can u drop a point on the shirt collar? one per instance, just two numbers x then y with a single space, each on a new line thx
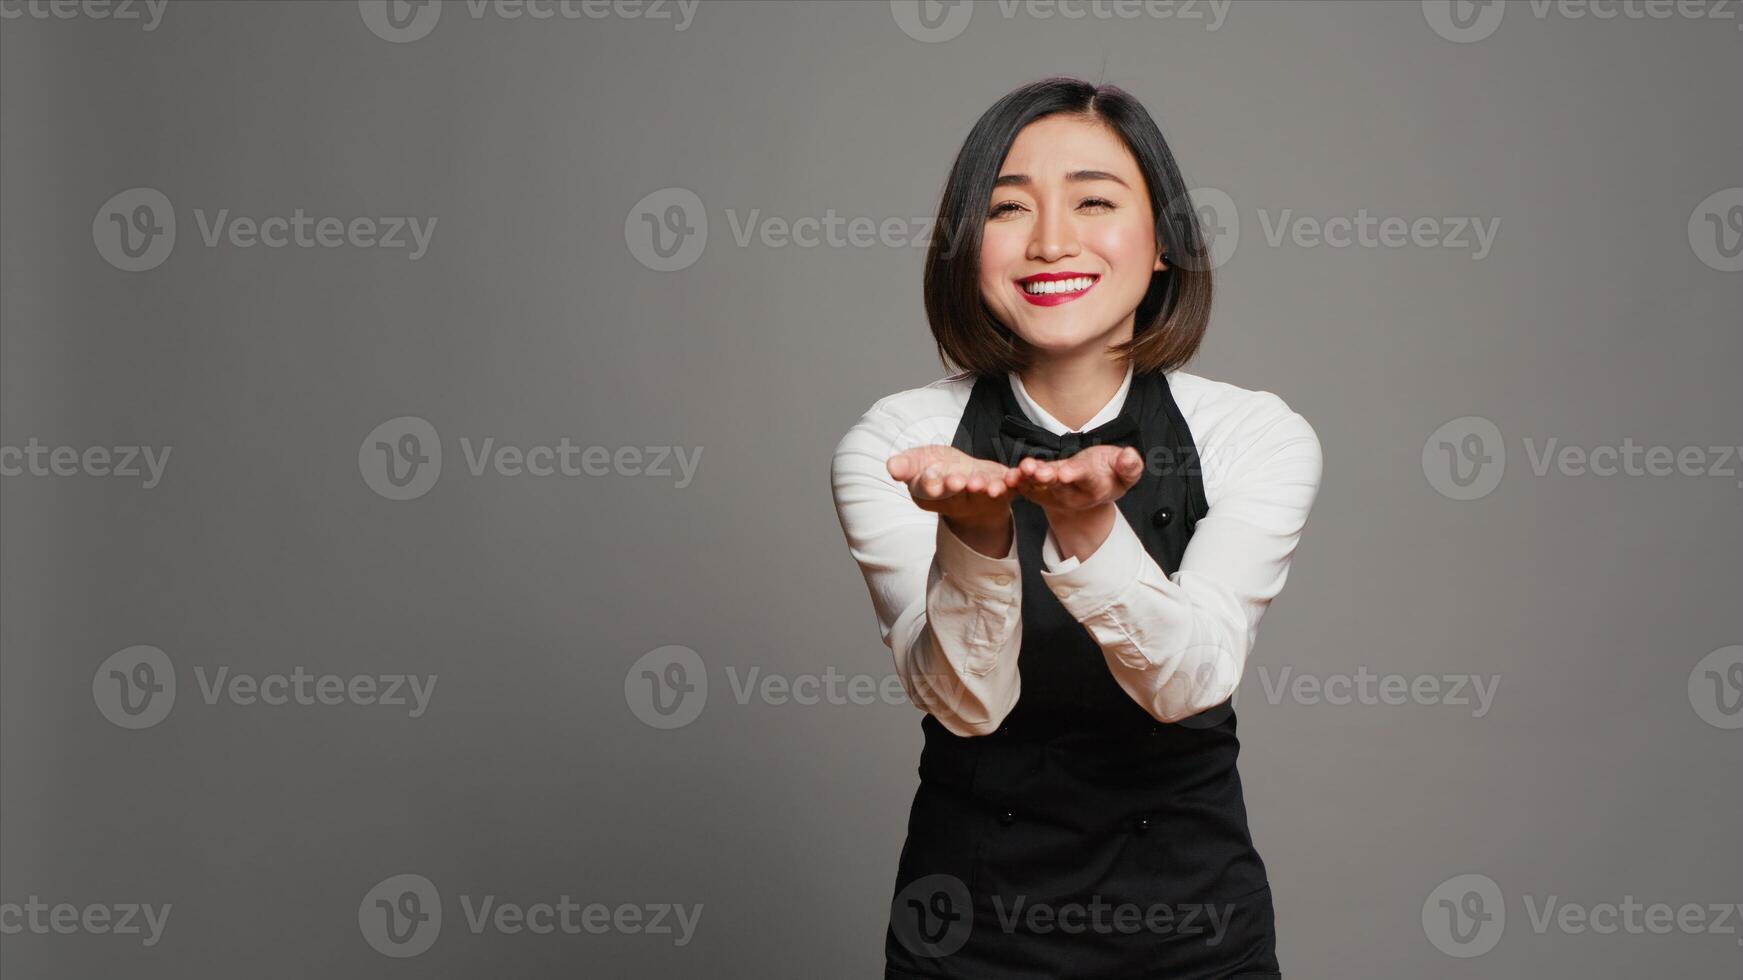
1039 416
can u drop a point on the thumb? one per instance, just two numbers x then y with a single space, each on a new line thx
905 465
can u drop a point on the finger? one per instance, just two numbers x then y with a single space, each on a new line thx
932 481
900 466
1131 464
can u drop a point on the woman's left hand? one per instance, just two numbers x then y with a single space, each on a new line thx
1095 476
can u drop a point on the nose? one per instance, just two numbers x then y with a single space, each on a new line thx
1053 236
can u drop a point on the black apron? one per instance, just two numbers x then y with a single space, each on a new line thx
1084 839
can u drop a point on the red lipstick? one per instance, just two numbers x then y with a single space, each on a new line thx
1056 295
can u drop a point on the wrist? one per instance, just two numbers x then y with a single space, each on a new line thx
1080 532
1081 516
992 520
990 535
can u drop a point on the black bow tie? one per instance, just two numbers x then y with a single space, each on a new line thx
1018 437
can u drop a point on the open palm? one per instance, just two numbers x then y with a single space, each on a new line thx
1095 476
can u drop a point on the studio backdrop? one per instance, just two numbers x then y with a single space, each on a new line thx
418 549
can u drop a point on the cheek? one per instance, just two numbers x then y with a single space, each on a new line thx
1001 252
1128 247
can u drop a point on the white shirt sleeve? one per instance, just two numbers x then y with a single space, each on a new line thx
951 616
1178 645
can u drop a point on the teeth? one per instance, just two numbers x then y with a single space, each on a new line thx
1044 288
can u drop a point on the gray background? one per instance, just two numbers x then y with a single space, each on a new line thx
1594 319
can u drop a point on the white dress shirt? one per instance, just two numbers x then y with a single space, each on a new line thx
952 617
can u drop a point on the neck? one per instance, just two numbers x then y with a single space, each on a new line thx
1072 388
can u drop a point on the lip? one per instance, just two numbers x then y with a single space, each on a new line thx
1054 299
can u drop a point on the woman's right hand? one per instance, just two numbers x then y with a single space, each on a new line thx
973 495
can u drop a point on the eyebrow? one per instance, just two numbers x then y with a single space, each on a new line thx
1076 176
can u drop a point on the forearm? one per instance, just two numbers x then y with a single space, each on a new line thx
1178 643
961 657
1174 649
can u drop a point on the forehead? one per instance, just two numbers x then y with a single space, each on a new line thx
1057 144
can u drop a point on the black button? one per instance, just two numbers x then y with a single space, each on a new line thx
1141 825
1006 817
1162 517
1004 729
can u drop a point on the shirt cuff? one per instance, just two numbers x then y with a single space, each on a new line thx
1087 586
973 571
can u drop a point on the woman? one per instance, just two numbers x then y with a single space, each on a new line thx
1069 546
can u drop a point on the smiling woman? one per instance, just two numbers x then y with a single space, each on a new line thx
1069 592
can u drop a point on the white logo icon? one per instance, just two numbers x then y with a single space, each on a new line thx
667 230
1465 458
402 916
1716 230
1215 674
1465 916
135 230
401 458
400 21
932 21
1464 21
933 915
1716 688
1219 222
667 687
135 687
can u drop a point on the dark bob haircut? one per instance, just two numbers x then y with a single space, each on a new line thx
1175 310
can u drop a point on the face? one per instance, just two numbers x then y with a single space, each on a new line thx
1069 243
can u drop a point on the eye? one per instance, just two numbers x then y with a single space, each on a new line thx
1007 207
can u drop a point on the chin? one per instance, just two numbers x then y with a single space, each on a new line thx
1060 337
